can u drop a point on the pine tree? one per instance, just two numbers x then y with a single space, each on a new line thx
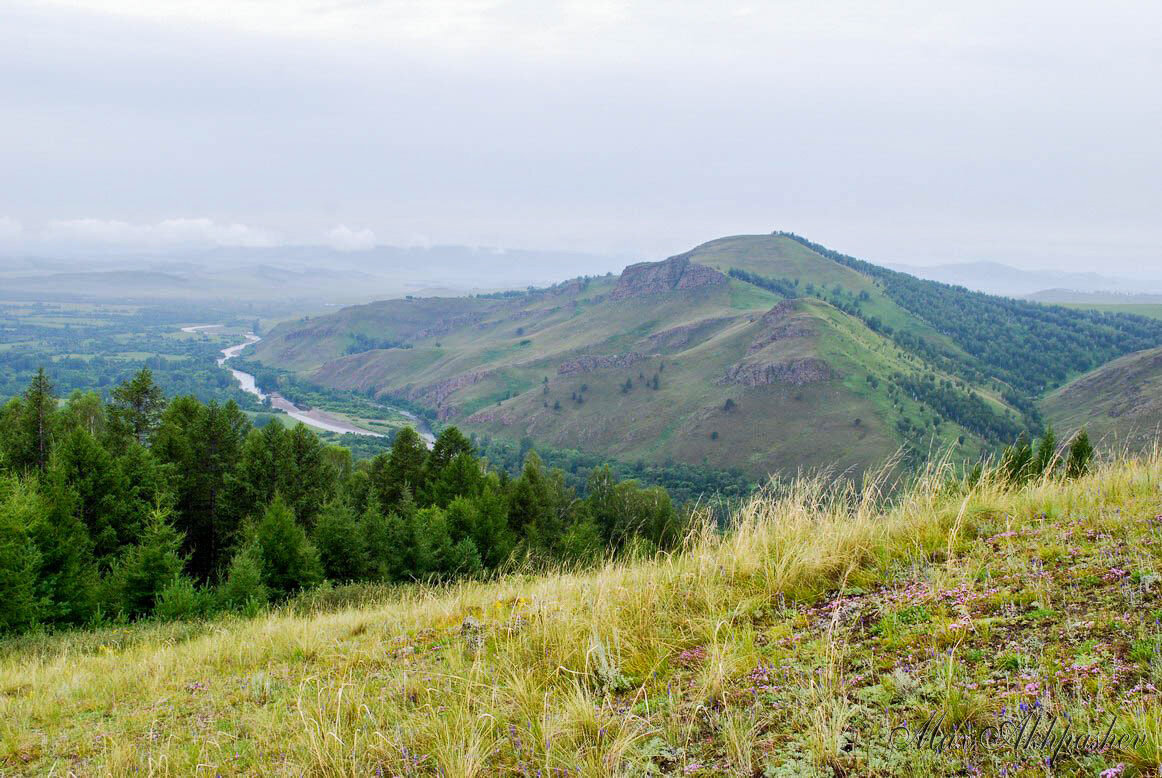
341 549
29 424
402 470
20 559
68 579
1080 456
1046 453
384 540
243 586
136 407
148 567
289 561
491 533
1017 460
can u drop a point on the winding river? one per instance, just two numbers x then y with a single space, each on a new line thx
312 418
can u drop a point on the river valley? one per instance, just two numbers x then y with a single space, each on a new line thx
312 417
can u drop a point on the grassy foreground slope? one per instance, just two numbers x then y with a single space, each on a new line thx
793 645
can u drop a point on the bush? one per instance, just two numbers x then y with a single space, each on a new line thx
183 600
243 587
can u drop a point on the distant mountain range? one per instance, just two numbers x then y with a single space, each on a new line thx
763 352
308 274
1055 286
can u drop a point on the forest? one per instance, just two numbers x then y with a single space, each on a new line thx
1029 346
144 506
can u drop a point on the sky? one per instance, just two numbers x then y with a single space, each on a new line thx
898 131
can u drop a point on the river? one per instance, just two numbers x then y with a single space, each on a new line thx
312 418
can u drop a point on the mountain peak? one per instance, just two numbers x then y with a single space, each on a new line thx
648 278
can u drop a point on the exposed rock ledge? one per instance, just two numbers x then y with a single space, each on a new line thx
490 416
646 278
779 323
677 337
796 372
588 362
436 395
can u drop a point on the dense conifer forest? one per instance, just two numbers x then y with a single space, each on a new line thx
145 506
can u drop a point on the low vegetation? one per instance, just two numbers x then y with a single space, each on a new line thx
798 642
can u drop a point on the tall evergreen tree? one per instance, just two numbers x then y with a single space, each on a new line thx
28 425
1046 452
68 575
1080 455
289 560
400 471
136 407
342 551
20 559
147 567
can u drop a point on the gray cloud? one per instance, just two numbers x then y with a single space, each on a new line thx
343 238
166 233
902 131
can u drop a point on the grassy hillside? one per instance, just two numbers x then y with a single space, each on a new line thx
796 644
763 352
1150 310
1120 403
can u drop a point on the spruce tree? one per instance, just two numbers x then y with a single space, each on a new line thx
136 406
384 540
243 586
342 551
147 567
1080 456
1046 453
289 561
20 560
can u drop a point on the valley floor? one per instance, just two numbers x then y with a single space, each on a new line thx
799 644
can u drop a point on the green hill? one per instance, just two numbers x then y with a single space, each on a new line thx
765 352
1120 403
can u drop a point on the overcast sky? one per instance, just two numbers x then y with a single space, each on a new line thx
899 131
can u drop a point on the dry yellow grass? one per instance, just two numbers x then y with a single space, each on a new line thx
580 673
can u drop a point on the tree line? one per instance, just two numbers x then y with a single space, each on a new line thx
144 506
1029 346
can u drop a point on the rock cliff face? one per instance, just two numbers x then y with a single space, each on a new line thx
779 324
647 278
436 395
796 372
584 364
680 336
444 326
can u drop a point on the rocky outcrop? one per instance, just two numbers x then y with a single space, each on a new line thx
780 323
436 395
490 416
649 278
444 326
678 337
588 362
796 372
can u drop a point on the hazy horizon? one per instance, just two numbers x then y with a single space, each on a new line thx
1016 133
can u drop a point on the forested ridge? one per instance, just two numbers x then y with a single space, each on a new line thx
145 506
1016 348
1030 346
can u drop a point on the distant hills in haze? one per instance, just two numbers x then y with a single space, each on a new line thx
309 274
1045 285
